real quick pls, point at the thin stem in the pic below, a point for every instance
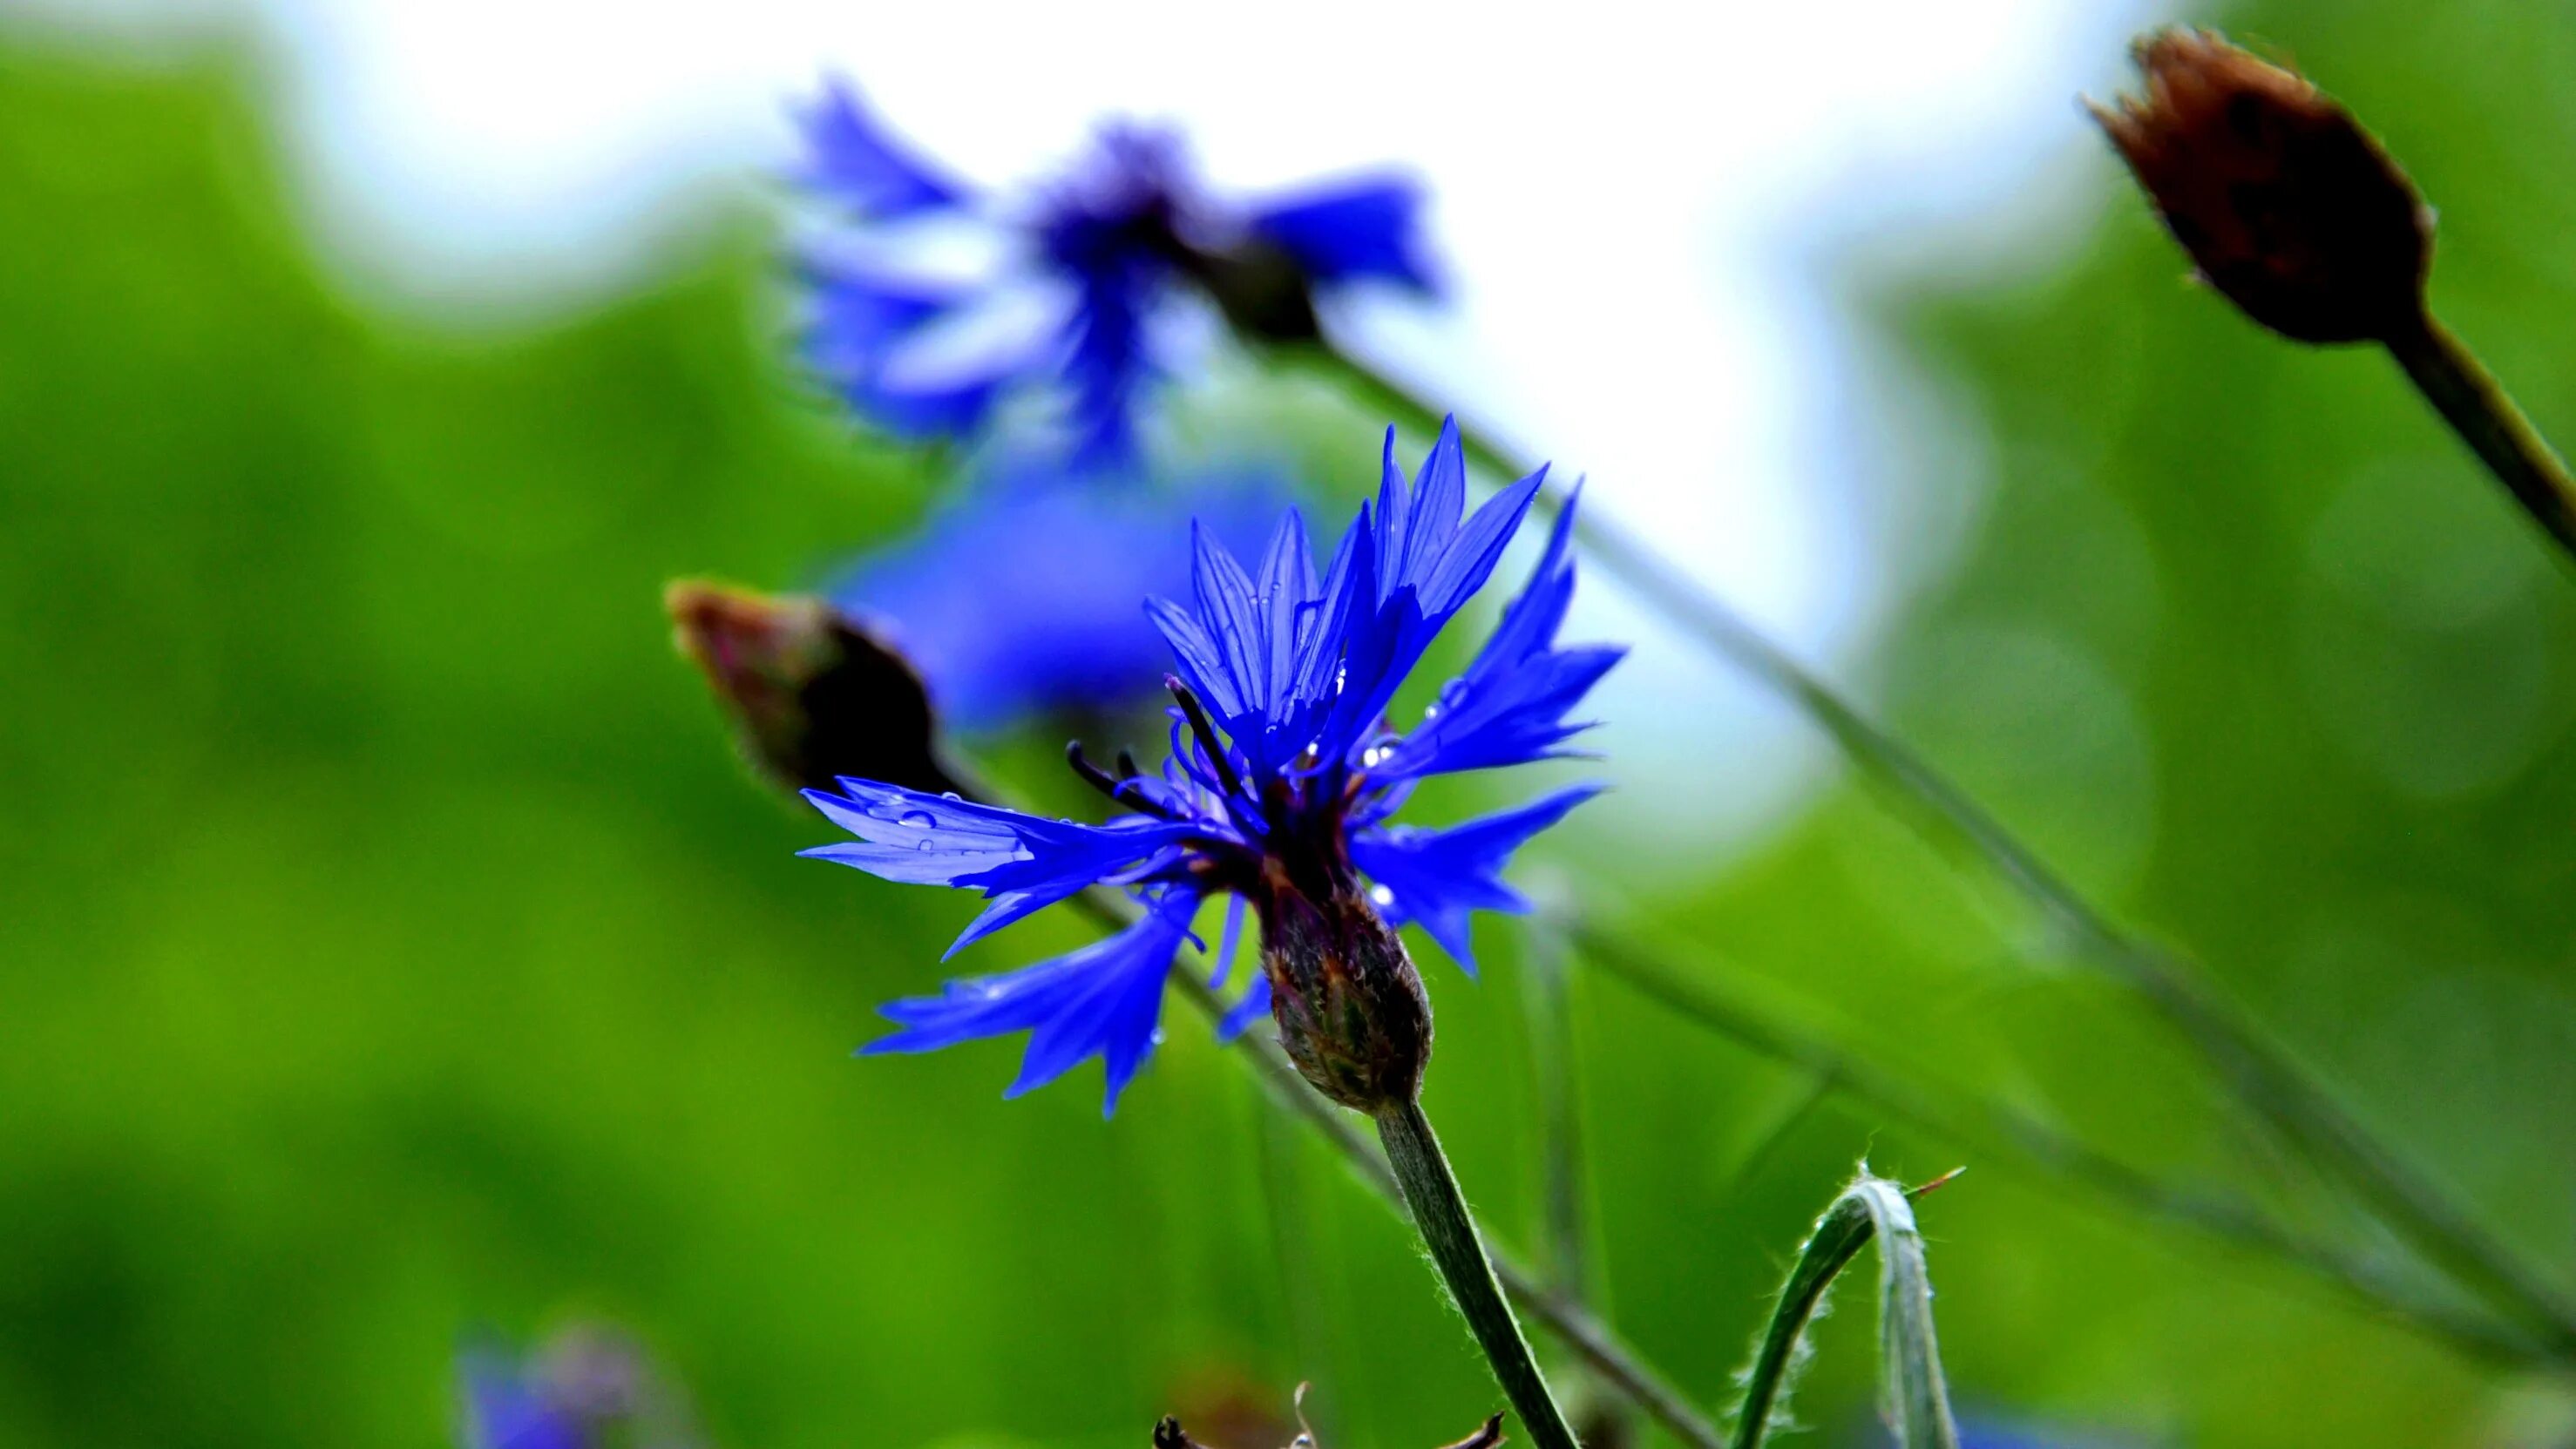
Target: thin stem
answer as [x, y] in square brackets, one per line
[1560, 1127]
[1566, 1239]
[2040, 1148]
[1611, 1360]
[2263, 1078]
[1440, 1215]
[2479, 409]
[1292, 1242]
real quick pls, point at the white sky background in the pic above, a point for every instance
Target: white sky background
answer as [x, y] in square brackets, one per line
[1635, 204]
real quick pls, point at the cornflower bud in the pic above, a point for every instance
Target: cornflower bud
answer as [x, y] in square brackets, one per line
[813, 694]
[1351, 1010]
[2286, 205]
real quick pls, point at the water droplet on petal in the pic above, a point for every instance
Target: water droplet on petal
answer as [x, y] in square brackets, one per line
[919, 820]
[950, 795]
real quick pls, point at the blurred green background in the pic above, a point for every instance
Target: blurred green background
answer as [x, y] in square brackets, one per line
[391, 946]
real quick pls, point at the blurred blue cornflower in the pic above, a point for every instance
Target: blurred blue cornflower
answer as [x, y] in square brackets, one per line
[1017, 598]
[1282, 778]
[1093, 261]
[588, 1389]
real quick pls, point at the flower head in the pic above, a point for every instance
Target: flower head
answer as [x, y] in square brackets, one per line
[1105, 249]
[1018, 598]
[2286, 205]
[588, 1389]
[1279, 791]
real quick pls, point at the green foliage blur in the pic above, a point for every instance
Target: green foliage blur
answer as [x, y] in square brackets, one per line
[390, 947]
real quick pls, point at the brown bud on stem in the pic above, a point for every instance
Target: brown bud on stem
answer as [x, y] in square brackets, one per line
[2284, 202]
[1351, 1010]
[814, 694]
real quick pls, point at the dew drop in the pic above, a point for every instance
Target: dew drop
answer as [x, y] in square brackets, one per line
[950, 795]
[1381, 896]
[919, 820]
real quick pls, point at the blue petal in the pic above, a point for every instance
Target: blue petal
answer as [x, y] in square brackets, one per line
[1427, 565]
[1510, 706]
[1018, 596]
[1231, 942]
[1359, 229]
[854, 160]
[1023, 862]
[942, 410]
[1436, 877]
[858, 318]
[1253, 1007]
[505, 1409]
[1106, 363]
[1102, 1000]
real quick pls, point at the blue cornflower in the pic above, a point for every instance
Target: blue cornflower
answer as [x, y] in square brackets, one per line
[590, 1388]
[1283, 778]
[1097, 257]
[1018, 597]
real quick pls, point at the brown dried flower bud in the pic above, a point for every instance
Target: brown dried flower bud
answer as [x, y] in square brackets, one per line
[814, 694]
[2284, 202]
[1351, 1010]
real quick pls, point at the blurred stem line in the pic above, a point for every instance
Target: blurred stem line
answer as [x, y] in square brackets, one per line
[1292, 1243]
[1567, 1244]
[1614, 1362]
[1448, 1230]
[1551, 1042]
[2479, 409]
[2263, 1077]
[2042, 1149]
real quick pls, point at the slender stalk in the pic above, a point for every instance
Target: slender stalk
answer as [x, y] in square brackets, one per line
[2263, 1078]
[2479, 409]
[1914, 1396]
[1612, 1361]
[1440, 1214]
[1560, 1128]
[1292, 1243]
[2000, 1132]
[1567, 1238]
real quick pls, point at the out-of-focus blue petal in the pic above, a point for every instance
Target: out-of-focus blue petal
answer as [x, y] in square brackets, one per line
[1368, 228]
[1024, 863]
[506, 1409]
[1020, 597]
[857, 318]
[1437, 877]
[1509, 708]
[853, 159]
[1107, 364]
[1102, 1000]
[1239, 1018]
[925, 411]
[1230, 943]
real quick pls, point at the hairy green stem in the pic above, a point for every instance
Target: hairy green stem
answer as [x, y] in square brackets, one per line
[1611, 1361]
[2479, 409]
[1914, 1399]
[2266, 1080]
[1440, 1215]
